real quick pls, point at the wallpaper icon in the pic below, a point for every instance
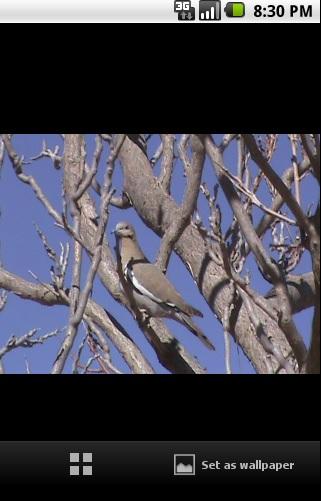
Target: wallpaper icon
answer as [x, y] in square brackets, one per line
[184, 464]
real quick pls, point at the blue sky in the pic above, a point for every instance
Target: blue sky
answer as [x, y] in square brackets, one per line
[21, 251]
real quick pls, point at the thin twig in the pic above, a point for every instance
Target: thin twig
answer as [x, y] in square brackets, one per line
[312, 155]
[91, 173]
[251, 195]
[294, 146]
[3, 299]
[2, 150]
[53, 155]
[227, 139]
[105, 360]
[277, 182]
[157, 155]
[89, 362]
[227, 334]
[25, 341]
[27, 366]
[77, 357]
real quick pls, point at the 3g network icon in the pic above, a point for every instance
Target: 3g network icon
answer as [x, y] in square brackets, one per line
[180, 5]
[185, 10]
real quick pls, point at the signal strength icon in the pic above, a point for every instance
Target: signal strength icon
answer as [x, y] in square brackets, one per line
[209, 10]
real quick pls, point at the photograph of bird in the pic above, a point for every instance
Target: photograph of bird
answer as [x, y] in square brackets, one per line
[151, 290]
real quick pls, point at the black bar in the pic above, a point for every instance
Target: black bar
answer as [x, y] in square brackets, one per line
[160, 407]
[152, 462]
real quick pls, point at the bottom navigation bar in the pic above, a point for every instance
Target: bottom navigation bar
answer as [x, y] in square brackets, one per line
[147, 462]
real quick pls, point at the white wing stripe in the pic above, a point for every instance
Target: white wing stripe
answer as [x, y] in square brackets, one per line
[129, 272]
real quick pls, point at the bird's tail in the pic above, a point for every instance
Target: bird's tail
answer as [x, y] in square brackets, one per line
[188, 322]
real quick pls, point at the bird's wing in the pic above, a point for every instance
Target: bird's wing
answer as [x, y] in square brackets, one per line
[150, 281]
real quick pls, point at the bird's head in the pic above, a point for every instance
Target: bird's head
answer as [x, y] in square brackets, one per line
[124, 230]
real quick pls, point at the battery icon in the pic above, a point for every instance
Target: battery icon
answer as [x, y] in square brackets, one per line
[235, 9]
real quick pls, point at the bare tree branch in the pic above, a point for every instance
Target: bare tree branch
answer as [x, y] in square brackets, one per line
[24, 341]
[78, 300]
[277, 182]
[79, 352]
[241, 286]
[2, 150]
[313, 360]
[157, 155]
[53, 155]
[227, 139]
[262, 335]
[17, 163]
[157, 210]
[183, 217]
[278, 201]
[313, 156]
[251, 195]
[3, 299]
[270, 269]
[301, 290]
[168, 142]
[121, 202]
[227, 334]
[171, 354]
[294, 146]
[74, 161]
[91, 173]
[101, 346]
[262, 326]
[46, 295]
[311, 227]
